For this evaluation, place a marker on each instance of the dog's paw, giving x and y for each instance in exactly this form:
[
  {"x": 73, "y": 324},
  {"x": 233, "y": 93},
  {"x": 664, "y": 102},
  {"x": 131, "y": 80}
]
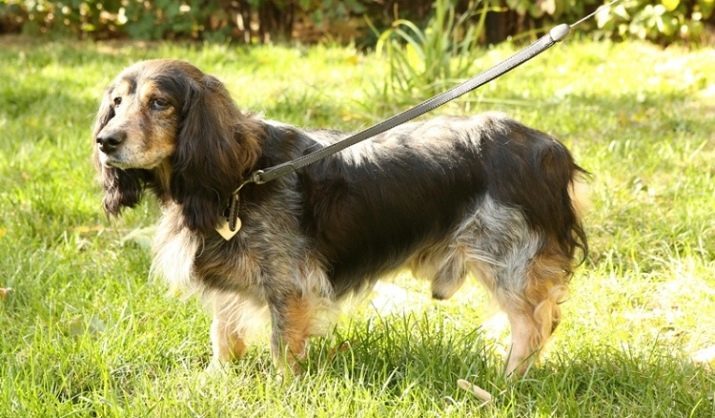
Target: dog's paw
[{"x": 216, "y": 368}]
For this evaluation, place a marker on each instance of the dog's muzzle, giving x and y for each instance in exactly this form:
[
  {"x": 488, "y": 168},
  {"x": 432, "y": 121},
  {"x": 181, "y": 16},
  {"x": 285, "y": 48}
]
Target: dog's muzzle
[{"x": 110, "y": 141}]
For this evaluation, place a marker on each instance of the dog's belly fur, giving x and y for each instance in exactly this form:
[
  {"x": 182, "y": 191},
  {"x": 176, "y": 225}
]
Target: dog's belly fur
[{"x": 370, "y": 210}]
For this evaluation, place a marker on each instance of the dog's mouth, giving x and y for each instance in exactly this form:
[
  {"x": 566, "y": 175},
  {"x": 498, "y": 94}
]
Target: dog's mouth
[
  {"x": 116, "y": 160},
  {"x": 110, "y": 160}
]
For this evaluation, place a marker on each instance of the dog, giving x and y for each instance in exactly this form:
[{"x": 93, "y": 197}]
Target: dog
[{"x": 445, "y": 198}]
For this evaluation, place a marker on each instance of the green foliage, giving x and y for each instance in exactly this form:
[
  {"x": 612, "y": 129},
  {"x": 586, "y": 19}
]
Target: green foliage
[
  {"x": 249, "y": 20},
  {"x": 322, "y": 11},
  {"x": 164, "y": 19},
  {"x": 550, "y": 8},
  {"x": 664, "y": 21},
  {"x": 159, "y": 19},
  {"x": 660, "y": 21},
  {"x": 422, "y": 63}
]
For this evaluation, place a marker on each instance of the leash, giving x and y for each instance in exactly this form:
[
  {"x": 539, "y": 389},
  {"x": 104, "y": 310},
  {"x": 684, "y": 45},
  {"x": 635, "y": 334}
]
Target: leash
[{"x": 556, "y": 34}]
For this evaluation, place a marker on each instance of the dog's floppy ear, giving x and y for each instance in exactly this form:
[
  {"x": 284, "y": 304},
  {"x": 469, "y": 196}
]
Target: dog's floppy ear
[
  {"x": 216, "y": 146},
  {"x": 122, "y": 188}
]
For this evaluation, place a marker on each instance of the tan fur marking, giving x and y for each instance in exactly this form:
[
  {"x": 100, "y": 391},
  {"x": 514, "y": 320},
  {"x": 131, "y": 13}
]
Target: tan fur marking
[
  {"x": 227, "y": 344},
  {"x": 150, "y": 133},
  {"x": 298, "y": 318},
  {"x": 534, "y": 319}
]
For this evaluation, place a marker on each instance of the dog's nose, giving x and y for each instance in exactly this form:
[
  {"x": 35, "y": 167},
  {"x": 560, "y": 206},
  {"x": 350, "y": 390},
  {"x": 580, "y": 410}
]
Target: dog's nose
[{"x": 110, "y": 141}]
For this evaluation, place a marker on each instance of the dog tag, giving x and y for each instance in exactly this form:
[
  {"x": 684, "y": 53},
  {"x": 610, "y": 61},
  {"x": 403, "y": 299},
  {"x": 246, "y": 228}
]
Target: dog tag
[
  {"x": 230, "y": 216},
  {"x": 225, "y": 231}
]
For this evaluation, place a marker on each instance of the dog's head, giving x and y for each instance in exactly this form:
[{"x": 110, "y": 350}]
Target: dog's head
[{"x": 167, "y": 125}]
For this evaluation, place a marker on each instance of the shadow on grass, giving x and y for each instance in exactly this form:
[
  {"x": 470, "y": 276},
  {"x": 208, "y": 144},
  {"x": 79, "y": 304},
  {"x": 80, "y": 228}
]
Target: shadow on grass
[{"x": 416, "y": 358}]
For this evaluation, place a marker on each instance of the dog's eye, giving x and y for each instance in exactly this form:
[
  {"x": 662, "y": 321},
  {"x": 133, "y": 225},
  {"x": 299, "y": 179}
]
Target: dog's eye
[
  {"x": 117, "y": 101},
  {"x": 158, "y": 104}
]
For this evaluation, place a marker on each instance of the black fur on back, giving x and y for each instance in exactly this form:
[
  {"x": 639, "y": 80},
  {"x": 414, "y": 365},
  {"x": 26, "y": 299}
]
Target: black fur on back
[{"x": 369, "y": 209}]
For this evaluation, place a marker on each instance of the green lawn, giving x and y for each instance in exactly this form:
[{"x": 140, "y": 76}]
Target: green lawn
[{"x": 85, "y": 332}]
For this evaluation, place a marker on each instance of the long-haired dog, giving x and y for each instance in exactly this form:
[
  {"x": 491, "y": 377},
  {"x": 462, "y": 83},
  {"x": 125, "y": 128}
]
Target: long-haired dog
[{"x": 445, "y": 198}]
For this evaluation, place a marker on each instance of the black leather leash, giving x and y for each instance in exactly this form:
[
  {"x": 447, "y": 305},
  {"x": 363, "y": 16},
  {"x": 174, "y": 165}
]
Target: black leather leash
[{"x": 266, "y": 175}]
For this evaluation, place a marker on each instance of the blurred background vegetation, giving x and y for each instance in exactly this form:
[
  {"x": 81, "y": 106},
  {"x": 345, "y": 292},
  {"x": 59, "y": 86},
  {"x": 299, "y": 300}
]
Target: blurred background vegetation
[{"x": 307, "y": 21}]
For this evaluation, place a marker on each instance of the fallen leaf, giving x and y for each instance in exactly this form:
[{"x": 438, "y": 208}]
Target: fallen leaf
[{"x": 4, "y": 291}]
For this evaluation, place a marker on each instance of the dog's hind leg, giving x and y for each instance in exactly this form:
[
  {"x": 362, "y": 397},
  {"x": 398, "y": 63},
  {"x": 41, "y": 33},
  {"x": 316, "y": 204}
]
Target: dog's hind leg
[
  {"x": 533, "y": 309},
  {"x": 527, "y": 276}
]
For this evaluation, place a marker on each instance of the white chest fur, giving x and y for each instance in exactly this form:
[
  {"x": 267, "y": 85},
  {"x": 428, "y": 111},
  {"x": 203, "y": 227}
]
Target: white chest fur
[{"x": 174, "y": 251}]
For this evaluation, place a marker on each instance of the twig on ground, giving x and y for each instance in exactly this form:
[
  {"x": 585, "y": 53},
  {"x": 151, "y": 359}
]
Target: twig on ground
[{"x": 475, "y": 390}]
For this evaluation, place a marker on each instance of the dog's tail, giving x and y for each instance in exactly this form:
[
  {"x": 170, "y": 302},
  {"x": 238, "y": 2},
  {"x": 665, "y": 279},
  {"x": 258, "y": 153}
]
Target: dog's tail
[
  {"x": 535, "y": 172},
  {"x": 579, "y": 196},
  {"x": 565, "y": 195}
]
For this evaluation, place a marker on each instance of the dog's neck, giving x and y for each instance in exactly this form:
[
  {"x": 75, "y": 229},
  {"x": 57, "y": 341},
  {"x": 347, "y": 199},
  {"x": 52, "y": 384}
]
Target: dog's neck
[
  {"x": 249, "y": 137},
  {"x": 162, "y": 181}
]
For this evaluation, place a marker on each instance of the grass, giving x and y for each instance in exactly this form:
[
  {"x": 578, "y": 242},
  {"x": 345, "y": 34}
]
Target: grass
[{"x": 85, "y": 333}]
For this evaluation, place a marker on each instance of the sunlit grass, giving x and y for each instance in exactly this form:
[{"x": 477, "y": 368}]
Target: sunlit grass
[{"x": 85, "y": 332}]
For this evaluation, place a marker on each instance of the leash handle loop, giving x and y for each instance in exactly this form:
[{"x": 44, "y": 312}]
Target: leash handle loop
[{"x": 540, "y": 45}]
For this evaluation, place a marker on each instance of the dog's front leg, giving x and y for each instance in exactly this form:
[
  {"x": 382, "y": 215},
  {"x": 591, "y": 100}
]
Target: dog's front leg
[
  {"x": 227, "y": 331},
  {"x": 291, "y": 317},
  {"x": 226, "y": 344}
]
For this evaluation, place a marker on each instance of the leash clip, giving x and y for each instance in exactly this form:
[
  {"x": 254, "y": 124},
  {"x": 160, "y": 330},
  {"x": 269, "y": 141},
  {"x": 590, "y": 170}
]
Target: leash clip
[{"x": 232, "y": 218}]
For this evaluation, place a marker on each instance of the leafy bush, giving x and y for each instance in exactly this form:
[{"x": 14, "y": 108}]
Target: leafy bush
[
  {"x": 265, "y": 20},
  {"x": 423, "y": 62},
  {"x": 172, "y": 19},
  {"x": 660, "y": 20},
  {"x": 664, "y": 21},
  {"x": 101, "y": 19}
]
